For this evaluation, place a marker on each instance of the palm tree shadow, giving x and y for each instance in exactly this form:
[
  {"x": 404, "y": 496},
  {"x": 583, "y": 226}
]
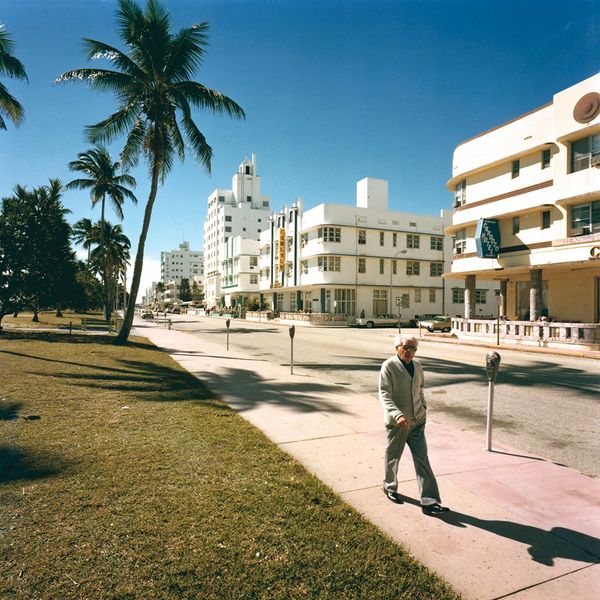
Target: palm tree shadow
[
  {"x": 15, "y": 465},
  {"x": 544, "y": 546}
]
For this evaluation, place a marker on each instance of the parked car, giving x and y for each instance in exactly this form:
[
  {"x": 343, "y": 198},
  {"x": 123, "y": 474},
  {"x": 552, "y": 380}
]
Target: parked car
[
  {"x": 386, "y": 320},
  {"x": 147, "y": 314},
  {"x": 438, "y": 323}
]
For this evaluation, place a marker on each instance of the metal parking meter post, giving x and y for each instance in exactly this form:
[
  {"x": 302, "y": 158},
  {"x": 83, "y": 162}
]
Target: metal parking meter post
[
  {"x": 492, "y": 364},
  {"x": 227, "y": 324},
  {"x": 292, "y": 332}
]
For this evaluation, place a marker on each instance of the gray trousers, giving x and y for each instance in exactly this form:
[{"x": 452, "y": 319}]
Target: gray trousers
[{"x": 414, "y": 436}]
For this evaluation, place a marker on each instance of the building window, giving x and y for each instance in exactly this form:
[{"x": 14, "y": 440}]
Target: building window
[
  {"x": 381, "y": 266},
  {"x": 516, "y": 225},
  {"x": 362, "y": 236},
  {"x": 304, "y": 267},
  {"x": 304, "y": 239},
  {"x": 227, "y": 217},
  {"x": 265, "y": 203},
  {"x": 546, "y": 219},
  {"x": 413, "y": 267},
  {"x": 546, "y": 155},
  {"x": 585, "y": 218},
  {"x": 437, "y": 243},
  {"x": 436, "y": 269},
  {"x": 362, "y": 265},
  {"x": 381, "y": 238},
  {"x": 460, "y": 242},
  {"x": 380, "y": 301},
  {"x": 345, "y": 301},
  {"x": 458, "y": 296},
  {"x": 432, "y": 295},
  {"x": 417, "y": 295},
  {"x": 254, "y": 261},
  {"x": 329, "y": 263},
  {"x": 330, "y": 234},
  {"x": 412, "y": 241},
  {"x": 248, "y": 198},
  {"x": 253, "y": 278},
  {"x": 394, "y": 266},
  {"x": 480, "y": 296},
  {"x": 516, "y": 168},
  {"x": 221, "y": 198},
  {"x": 228, "y": 229},
  {"x": 394, "y": 240},
  {"x": 460, "y": 193},
  {"x": 585, "y": 153}
]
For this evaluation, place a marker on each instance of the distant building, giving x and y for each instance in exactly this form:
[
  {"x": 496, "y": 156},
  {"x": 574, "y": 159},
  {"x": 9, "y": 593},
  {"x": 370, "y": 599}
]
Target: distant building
[
  {"x": 239, "y": 212},
  {"x": 343, "y": 259},
  {"x": 179, "y": 264},
  {"x": 527, "y": 215}
]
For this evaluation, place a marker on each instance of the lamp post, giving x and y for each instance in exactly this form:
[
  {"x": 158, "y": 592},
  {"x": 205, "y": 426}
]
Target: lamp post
[{"x": 391, "y": 273}]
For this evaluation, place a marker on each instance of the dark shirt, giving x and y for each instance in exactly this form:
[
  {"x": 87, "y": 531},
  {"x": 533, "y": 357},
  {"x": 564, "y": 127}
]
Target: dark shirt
[{"x": 410, "y": 367}]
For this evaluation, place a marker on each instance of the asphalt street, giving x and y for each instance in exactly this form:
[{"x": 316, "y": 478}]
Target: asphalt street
[{"x": 544, "y": 404}]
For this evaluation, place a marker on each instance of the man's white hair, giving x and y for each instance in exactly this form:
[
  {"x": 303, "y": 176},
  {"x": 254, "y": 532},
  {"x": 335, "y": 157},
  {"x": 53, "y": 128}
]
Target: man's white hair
[{"x": 405, "y": 340}]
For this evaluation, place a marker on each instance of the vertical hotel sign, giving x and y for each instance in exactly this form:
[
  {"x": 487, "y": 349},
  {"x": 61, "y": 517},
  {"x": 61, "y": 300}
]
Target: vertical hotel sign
[
  {"x": 281, "y": 248},
  {"x": 487, "y": 238}
]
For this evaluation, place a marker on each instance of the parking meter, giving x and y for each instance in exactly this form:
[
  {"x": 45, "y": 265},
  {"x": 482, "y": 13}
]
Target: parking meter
[
  {"x": 292, "y": 332},
  {"x": 227, "y": 324},
  {"x": 492, "y": 364}
]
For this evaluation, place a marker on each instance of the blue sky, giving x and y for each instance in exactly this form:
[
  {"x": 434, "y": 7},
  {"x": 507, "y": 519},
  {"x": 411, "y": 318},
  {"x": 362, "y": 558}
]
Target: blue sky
[{"x": 334, "y": 91}]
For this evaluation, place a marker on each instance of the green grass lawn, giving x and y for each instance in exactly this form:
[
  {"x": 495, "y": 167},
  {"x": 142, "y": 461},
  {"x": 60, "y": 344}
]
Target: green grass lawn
[
  {"x": 121, "y": 476},
  {"x": 48, "y": 319}
]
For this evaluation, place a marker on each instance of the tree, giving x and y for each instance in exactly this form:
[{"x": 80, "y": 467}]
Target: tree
[
  {"x": 185, "y": 293},
  {"x": 82, "y": 233},
  {"x": 152, "y": 86},
  {"x": 11, "y": 67},
  {"x": 37, "y": 264},
  {"x": 111, "y": 257},
  {"x": 197, "y": 292},
  {"x": 103, "y": 180}
]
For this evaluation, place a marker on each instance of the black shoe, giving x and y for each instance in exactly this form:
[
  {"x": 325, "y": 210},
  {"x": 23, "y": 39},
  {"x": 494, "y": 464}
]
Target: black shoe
[
  {"x": 434, "y": 509},
  {"x": 393, "y": 496}
]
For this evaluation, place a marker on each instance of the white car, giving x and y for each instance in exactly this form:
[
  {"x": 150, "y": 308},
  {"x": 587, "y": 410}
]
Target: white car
[{"x": 378, "y": 321}]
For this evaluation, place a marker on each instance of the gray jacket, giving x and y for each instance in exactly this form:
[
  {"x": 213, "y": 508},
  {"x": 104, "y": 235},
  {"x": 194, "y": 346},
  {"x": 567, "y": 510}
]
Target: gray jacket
[{"x": 400, "y": 394}]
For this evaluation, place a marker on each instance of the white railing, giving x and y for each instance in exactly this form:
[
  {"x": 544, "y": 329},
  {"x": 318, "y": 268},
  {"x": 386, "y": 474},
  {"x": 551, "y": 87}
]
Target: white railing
[{"x": 540, "y": 333}]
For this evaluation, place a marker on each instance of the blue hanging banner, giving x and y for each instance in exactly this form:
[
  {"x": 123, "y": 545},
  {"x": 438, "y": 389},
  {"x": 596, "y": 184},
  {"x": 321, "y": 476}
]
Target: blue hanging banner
[{"x": 487, "y": 238}]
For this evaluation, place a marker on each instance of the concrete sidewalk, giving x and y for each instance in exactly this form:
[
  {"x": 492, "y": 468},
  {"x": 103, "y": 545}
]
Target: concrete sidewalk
[{"x": 520, "y": 526}]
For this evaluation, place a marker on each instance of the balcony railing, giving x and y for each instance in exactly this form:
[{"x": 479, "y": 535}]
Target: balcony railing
[{"x": 539, "y": 333}]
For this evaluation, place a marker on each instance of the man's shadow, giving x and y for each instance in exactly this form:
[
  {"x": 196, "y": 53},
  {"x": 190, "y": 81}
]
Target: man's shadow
[{"x": 544, "y": 546}]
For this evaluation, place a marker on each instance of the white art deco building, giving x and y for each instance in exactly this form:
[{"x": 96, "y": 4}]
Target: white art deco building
[
  {"x": 345, "y": 260},
  {"x": 241, "y": 212},
  {"x": 527, "y": 215}
]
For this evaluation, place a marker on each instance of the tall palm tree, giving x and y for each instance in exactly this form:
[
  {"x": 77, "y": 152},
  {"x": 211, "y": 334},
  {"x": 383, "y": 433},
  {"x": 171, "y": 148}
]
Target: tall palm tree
[
  {"x": 11, "y": 67},
  {"x": 82, "y": 233},
  {"x": 103, "y": 180},
  {"x": 152, "y": 86}
]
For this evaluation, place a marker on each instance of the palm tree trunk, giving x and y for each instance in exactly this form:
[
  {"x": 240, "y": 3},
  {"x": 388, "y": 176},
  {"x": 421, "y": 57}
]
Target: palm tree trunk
[
  {"x": 107, "y": 307},
  {"x": 125, "y": 330}
]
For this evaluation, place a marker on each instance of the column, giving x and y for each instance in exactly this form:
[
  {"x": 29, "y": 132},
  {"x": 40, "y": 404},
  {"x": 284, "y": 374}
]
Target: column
[
  {"x": 503, "y": 296},
  {"x": 535, "y": 294},
  {"x": 470, "y": 297}
]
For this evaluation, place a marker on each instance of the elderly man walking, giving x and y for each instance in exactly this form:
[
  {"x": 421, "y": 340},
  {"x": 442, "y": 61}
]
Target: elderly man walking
[{"x": 401, "y": 383}]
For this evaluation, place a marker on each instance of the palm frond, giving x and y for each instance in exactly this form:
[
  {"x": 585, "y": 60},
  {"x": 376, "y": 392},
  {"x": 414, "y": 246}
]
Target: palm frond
[
  {"x": 10, "y": 107},
  {"x": 200, "y": 147},
  {"x": 114, "y": 125},
  {"x": 187, "y": 52},
  {"x": 204, "y": 97}
]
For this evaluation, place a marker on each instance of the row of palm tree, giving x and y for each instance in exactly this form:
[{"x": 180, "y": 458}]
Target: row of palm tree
[{"x": 155, "y": 94}]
